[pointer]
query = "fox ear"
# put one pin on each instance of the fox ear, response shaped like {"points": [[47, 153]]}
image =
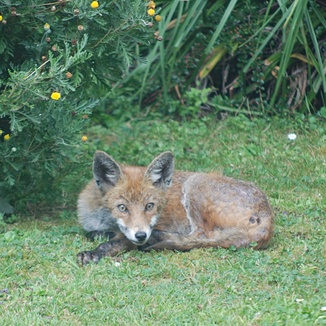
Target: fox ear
{"points": [[106, 170], [160, 171]]}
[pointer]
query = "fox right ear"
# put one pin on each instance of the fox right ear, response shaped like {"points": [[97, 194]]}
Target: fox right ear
{"points": [[160, 171], [106, 170]]}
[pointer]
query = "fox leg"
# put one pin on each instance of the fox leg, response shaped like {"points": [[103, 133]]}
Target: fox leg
{"points": [[197, 239], [160, 240], [110, 248], [93, 234]]}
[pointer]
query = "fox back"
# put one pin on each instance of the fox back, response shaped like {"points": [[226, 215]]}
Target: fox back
{"points": [[157, 208]]}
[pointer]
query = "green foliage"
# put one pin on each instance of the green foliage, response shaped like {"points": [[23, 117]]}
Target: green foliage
{"points": [[267, 57], [57, 58], [196, 100], [323, 112]]}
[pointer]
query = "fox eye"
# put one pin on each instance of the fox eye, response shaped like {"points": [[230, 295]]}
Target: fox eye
{"points": [[122, 208], [149, 206]]}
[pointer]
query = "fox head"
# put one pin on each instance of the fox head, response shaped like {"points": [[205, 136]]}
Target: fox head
{"points": [[134, 196]]}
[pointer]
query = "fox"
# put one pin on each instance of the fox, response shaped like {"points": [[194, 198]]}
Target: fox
{"points": [[157, 208]]}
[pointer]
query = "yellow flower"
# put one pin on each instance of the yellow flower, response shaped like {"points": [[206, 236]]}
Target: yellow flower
{"points": [[84, 138], [158, 18], [94, 4], [1, 18], [6, 137], [151, 12], [46, 26], [55, 96], [1, 132], [151, 4]]}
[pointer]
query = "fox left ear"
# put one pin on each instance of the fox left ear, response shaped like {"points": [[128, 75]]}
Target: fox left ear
{"points": [[160, 171], [106, 170]]}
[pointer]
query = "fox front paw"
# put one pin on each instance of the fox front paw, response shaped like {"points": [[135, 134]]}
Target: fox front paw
{"points": [[86, 257]]}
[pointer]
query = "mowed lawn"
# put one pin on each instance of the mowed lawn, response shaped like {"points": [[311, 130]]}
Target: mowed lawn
{"points": [[41, 283]]}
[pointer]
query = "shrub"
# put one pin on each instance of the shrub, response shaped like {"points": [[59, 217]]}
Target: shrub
{"points": [[263, 56], [57, 59]]}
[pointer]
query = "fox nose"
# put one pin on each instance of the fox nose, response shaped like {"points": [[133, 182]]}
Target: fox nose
{"points": [[140, 236]]}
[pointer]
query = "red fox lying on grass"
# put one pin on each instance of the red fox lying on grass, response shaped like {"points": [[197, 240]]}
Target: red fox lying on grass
{"points": [[157, 208]]}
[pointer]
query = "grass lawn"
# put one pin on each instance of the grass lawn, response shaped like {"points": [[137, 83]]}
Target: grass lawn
{"points": [[41, 283]]}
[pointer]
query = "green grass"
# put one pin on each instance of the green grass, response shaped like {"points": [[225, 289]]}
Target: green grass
{"points": [[41, 284]]}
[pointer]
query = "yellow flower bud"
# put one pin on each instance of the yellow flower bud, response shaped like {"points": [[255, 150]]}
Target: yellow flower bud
{"points": [[158, 18], [55, 96], [84, 138], [46, 26], [151, 12], [1, 18], [151, 4], [95, 4], [6, 137]]}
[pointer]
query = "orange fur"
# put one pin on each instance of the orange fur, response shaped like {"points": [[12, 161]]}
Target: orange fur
{"points": [[146, 211]]}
